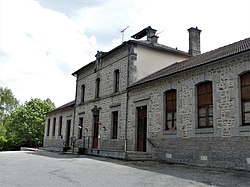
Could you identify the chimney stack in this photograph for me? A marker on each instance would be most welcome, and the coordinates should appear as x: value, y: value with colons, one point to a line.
x: 194, y: 41
x: 149, y: 32
x: 151, y: 37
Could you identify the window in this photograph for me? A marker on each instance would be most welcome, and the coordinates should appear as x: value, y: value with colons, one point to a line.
x: 116, y: 80
x: 97, y: 88
x: 205, y: 105
x: 48, y: 127
x: 170, y: 110
x: 54, y: 127
x: 114, y: 124
x: 245, y: 98
x: 60, y: 126
x: 82, y: 93
x: 80, y: 128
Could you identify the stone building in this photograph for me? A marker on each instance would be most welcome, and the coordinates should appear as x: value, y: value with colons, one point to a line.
x: 58, y: 127
x: 196, y: 111
x: 143, y: 100
x: 101, y: 91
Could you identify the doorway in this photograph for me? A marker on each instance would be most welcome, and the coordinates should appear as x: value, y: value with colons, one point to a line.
x: 96, y: 131
x: 142, y: 128
x: 67, y: 140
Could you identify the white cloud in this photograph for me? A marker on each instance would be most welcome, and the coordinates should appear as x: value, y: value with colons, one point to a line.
x: 43, y: 47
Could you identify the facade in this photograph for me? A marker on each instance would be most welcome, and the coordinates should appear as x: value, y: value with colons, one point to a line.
x: 58, y: 128
x: 196, y: 111
x: 146, y: 99
x: 101, y: 90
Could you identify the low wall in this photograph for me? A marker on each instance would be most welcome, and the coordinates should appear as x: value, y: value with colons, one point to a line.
x: 231, y: 152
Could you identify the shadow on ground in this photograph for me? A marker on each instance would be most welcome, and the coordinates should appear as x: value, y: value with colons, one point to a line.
x: 208, y: 176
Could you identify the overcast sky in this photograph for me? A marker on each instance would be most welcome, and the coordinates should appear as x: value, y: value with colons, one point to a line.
x: 43, y: 41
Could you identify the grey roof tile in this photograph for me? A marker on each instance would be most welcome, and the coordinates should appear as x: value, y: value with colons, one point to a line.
x: 202, y: 59
x: 67, y: 105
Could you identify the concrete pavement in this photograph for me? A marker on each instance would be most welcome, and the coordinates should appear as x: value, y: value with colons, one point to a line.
x: 27, y: 168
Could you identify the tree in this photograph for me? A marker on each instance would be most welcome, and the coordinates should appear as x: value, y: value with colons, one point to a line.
x: 3, y: 139
x: 25, y: 125
x: 8, y: 102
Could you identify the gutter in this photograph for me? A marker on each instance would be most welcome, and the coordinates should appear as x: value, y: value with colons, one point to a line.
x: 74, y: 117
x: 127, y: 96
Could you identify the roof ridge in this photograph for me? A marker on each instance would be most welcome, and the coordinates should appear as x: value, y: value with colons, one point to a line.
x: 63, y: 106
x: 158, y: 45
x: 204, y: 58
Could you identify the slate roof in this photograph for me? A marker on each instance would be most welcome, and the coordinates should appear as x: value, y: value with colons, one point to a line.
x: 160, y: 47
x: 202, y: 59
x: 67, y: 105
x: 140, y: 42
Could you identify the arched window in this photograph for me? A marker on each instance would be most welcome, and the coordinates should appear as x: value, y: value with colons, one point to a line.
x: 82, y: 93
x: 97, y: 93
x: 205, y: 104
x: 116, y: 80
x: 60, y: 126
x: 48, y: 127
x: 54, y: 127
x: 80, y: 128
x: 114, y: 124
x: 170, y: 110
x: 245, y: 98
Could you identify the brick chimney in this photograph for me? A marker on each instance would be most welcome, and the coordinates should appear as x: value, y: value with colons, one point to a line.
x: 151, y: 37
x: 194, y: 41
x: 149, y: 32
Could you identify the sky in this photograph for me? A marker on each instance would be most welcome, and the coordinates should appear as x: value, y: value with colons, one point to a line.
x: 42, y: 42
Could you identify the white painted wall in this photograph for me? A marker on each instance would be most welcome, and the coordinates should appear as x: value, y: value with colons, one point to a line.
x: 151, y: 60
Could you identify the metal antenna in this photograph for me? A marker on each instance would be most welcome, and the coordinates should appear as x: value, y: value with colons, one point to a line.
x: 122, y: 31
x: 159, y: 32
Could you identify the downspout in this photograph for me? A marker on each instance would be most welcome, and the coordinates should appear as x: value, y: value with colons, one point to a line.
x: 74, y: 117
x: 127, y: 97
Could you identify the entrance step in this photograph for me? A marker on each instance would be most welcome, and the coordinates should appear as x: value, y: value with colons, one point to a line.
x: 106, y: 153
x: 139, y: 156
x: 70, y: 151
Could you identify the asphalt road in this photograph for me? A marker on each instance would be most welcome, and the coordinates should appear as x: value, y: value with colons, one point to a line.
x: 27, y: 168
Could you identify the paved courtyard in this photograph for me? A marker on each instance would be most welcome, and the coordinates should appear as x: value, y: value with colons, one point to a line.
x: 27, y: 168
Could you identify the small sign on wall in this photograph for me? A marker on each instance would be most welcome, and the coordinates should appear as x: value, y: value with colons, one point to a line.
x: 203, y: 157
x: 169, y: 155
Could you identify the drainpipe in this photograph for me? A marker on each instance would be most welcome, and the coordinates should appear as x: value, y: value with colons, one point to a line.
x: 127, y: 96
x: 74, y: 117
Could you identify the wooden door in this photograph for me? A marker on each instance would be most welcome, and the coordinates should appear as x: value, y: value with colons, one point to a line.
x: 67, y: 140
x: 96, y: 131
x: 142, y: 128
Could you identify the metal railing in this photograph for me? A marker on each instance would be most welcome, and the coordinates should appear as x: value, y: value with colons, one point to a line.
x: 152, y: 143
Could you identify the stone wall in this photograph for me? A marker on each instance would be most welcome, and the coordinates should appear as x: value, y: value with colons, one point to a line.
x: 227, y: 152
x: 56, y: 142
x: 107, y: 102
x: 190, y: 144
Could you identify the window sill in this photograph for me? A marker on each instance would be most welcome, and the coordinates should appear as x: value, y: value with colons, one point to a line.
x: 245, y: 128
x: 97, y: 99
x: 209, y: 130
x: 170, y: 132
x: 116, y: 93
